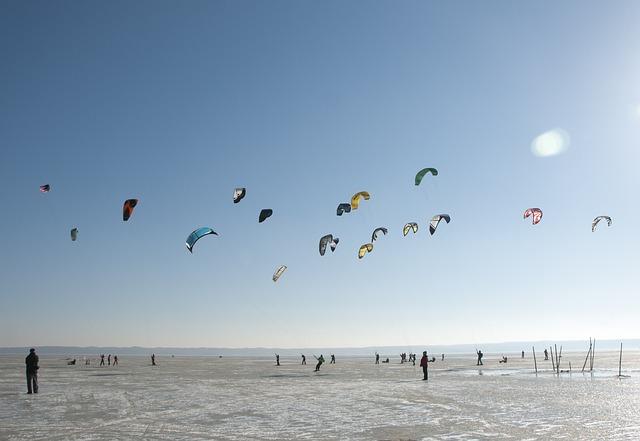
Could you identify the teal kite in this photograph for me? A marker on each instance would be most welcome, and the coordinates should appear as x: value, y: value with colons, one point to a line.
x: 423, y: 172
x: 196, y: 235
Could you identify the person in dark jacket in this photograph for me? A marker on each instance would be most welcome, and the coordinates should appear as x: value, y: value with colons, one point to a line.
x: 32, y: 371
x: 304, y: 359
x: 424, y: 364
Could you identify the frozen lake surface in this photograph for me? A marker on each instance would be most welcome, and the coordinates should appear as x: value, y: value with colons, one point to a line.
x: 192, y: 398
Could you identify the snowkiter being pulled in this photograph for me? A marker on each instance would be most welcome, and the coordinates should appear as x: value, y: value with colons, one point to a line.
x: 320, y: 361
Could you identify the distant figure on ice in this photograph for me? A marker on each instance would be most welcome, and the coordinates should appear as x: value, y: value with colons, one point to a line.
x: 32, y: 371
x: 480, y: 355
x: 304, y: 359
x: 71, y: 362
x: 413, y: 358
x: 115, y: 360
x: 153, y: 359
x: 386, y: 360
x: 277, y: 360
x: 320, y: 361
x: 442, y: 357
x: 102, y: 360
x: 522, y: 354
x: 109, y: 359
x: 504, y: 360
x: 424, y: 364
x: 333, y: 359
x: 377, y: 358
x: 546, y: 354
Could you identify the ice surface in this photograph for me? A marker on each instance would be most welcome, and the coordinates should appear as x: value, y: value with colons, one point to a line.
x: 197, y: 398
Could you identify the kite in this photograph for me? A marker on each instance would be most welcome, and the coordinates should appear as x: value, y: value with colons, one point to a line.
x: 127, y: 209
x: 281, y: 269
x: 264, y: 214
x: 364, y: 249
x: 595, y: 222
x: 74, y: 234
x: 343, y: 208
x: 374, y: 235
x: 45, y: 188
x: 238, y: 194
x: 328, y: 240
x: 355, y: 199
x: 196, y: 235
x: 435, y: 220
x: 535, y: 212
x: 423, y: 172
x: 408, y: 227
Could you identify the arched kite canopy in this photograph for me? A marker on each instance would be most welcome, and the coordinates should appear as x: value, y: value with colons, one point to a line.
x: 355, y: 199
x: 408, y: 227
x: 74, y: 234
x: 238, y: 194
x: 264, y: 214
x: 364, y: 249
x: 535, y: 212
x: 435, y: 220
x: 423, y: 172
x: 127, y: 209
x: 45, y: 188
x: 343, y: 208
x: 597, y: 220
x: 281, y: 269
x: 196, y: 235
x: 328, y: 240
x: 374, y: 235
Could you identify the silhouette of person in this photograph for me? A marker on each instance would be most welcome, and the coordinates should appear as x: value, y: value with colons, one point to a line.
x: 32, y: 371
x: 424, y: 364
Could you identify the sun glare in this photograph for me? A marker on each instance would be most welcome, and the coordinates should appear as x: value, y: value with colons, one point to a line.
x: 550, y: 143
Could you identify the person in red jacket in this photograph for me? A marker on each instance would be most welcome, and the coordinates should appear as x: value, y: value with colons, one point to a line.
x: 424, y: 364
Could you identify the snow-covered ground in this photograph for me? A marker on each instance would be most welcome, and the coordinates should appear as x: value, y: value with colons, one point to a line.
x: 191, y: 398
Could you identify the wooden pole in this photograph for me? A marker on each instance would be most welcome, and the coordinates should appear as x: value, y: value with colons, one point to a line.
x: 553, y: 363
x: 620, y: 362
x: 535, y: 363
x: 593, y: 354
x: 557, y: 367
x: 559, y: 357
x: 587, y: 357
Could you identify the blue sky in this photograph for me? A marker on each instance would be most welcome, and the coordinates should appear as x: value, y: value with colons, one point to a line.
x: 305, y: 103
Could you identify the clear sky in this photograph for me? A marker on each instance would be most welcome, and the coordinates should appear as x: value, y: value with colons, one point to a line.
x: 305, y: 103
